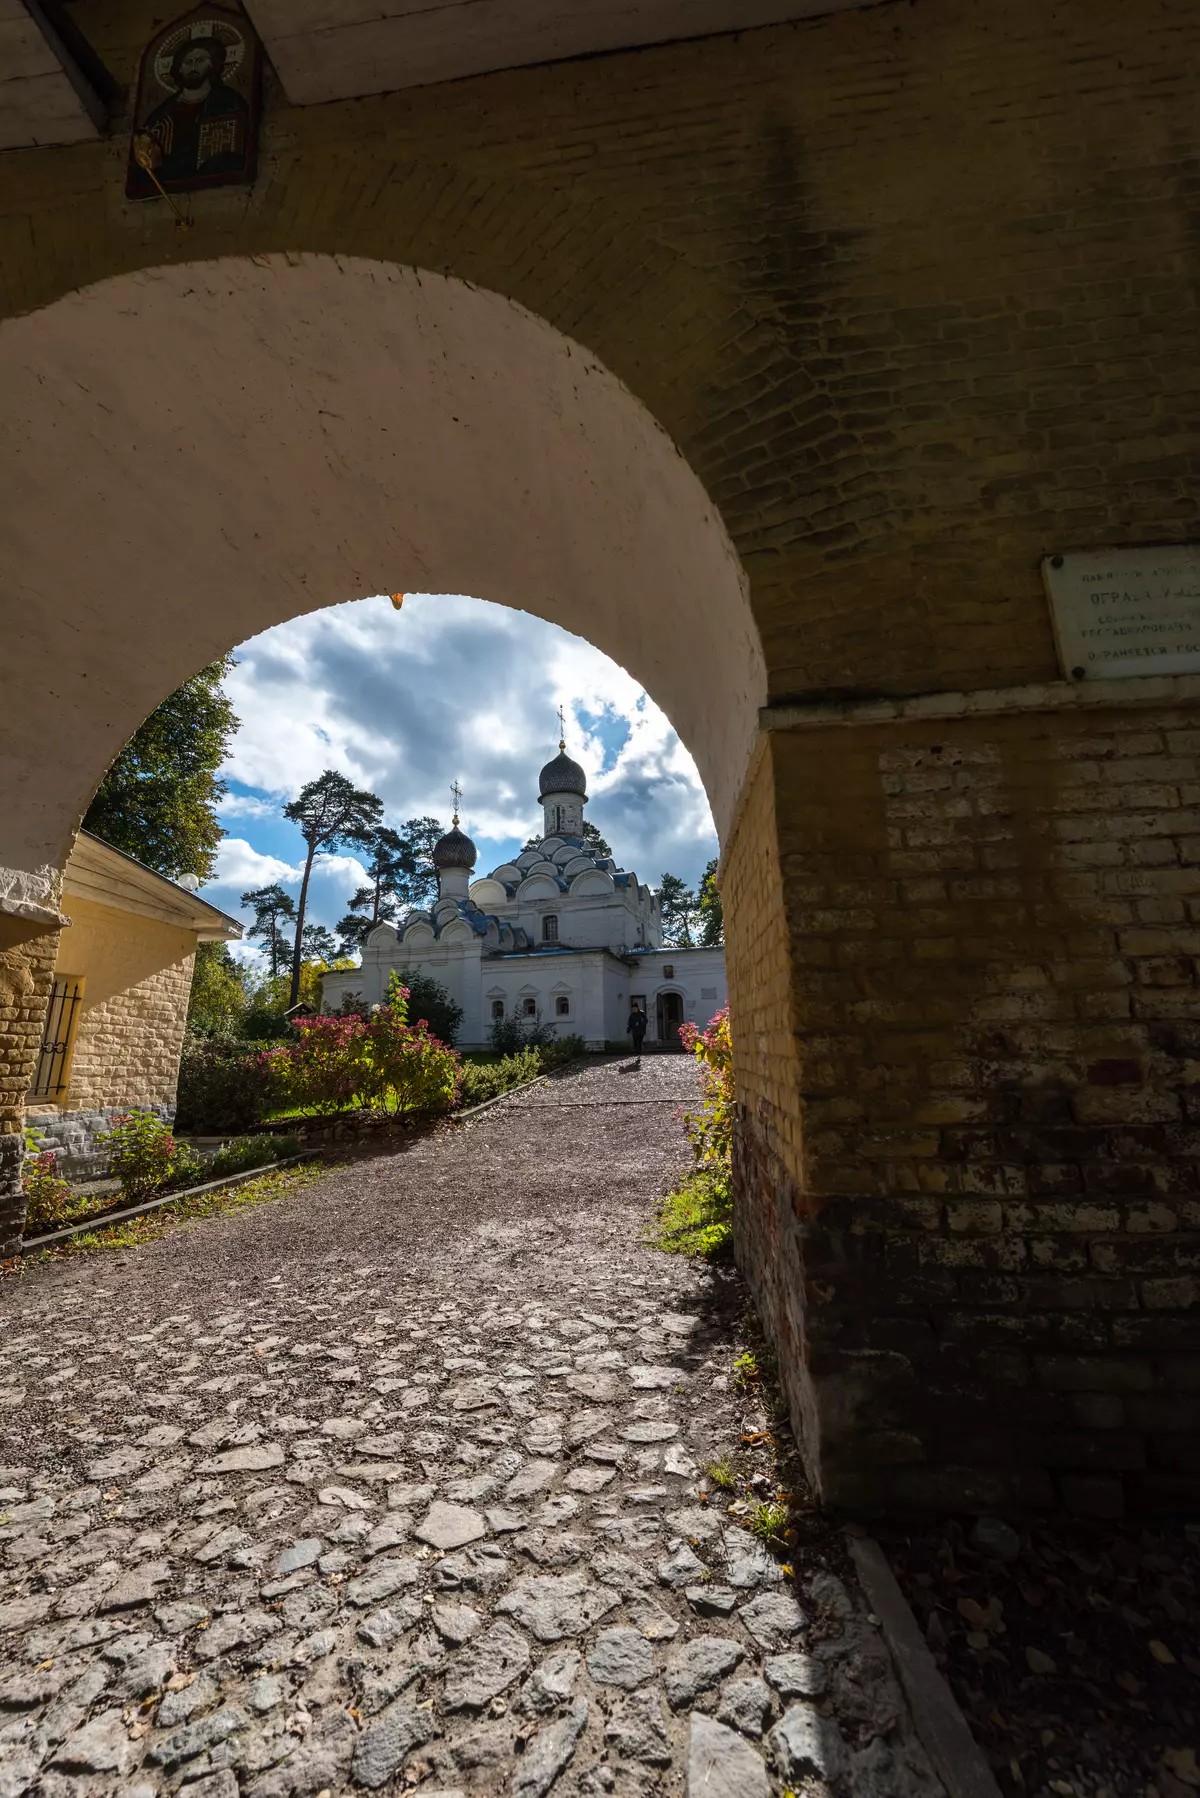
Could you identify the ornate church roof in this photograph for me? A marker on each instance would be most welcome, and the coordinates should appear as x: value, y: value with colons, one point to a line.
x: 562, y: 775
x: 454, y: 850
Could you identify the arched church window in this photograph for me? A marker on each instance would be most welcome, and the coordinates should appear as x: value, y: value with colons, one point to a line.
x: 562, y: 1006
x: 550, y: 929
x: 529, y: 1008
x: 497, y: 1008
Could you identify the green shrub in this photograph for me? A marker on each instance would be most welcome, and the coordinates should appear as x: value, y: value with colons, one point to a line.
x: 252, y: 1151
x: 48, y: 1203
x: 144, y: 1155
x: 486, y: 1080
x: 697, y: 1218
x: 224, y: 1086
x: 557, y: 1053
x: 429, y: 1000
x: 512, y: 1034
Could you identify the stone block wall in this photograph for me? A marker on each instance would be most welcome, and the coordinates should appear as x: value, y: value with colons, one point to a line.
x: 981, y: 1259
x: 76, y: 1137
x: 26, y: 972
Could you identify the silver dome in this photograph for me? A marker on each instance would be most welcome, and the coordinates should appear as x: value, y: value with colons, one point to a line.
x: 562, y: 775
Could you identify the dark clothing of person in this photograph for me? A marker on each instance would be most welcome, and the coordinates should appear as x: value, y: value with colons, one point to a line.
x: 636, y: 1026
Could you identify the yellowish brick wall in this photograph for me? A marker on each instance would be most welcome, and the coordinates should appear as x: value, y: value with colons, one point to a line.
x: 26, y: 972
x: 138, y: 976
x: 993, y: 937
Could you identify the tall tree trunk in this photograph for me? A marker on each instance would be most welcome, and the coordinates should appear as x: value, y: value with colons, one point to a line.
x: 301, y: 908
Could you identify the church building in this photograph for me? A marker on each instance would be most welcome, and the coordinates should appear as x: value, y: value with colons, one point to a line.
x: 559, y: 934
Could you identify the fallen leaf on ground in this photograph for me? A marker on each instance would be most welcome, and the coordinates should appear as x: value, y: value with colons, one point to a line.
x: 1161, y: 1652
x: 1037, y: 1662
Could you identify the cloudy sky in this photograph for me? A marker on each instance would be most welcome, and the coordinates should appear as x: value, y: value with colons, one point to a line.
x: 449, y: 687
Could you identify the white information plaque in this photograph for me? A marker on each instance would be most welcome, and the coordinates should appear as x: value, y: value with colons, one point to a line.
x: 1119, y: 612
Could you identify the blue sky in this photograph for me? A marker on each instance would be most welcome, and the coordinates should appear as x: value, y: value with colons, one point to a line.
x: 449, y: 687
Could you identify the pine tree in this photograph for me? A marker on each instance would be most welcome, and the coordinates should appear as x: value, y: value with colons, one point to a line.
x: 677, y: 904
x: 330, y: 811
x: 710, y: 913
x: 273, y: 908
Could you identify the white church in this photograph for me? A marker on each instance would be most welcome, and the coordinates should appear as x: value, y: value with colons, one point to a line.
x: 559, y: 934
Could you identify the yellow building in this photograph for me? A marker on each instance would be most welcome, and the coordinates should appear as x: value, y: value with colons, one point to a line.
x: 118, y: 1004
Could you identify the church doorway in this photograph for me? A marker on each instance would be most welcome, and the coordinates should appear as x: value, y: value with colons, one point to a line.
x: 670, y: 1017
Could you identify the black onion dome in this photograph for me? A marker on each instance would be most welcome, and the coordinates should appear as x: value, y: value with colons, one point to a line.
x: 562, y: 775
x: 454, y: 850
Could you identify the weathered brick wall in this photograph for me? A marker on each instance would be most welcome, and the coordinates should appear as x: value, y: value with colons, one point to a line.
x: 26, y: 972
x: 138, y: 977
x: 995, y: 1225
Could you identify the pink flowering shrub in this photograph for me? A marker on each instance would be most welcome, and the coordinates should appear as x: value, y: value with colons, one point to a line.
x: 711, y: 1128
x: 144, y: 1154
x: 324, y: 1068
x: 47, y: 1194
x: 379, y: 1060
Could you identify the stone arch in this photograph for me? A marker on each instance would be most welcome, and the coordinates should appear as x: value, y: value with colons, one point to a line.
x: 325, y: 419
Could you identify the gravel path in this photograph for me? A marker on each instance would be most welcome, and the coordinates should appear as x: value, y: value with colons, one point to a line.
x: 400, y: 1482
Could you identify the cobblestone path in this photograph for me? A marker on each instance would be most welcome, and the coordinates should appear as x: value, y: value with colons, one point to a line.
x: 400, y: 1483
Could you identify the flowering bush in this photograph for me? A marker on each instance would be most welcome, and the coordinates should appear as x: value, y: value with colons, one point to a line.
x: 47, y: 1194
x: 380, y: 1060
x: 144, y: 1155
x: 711, y: 1128
x: 325, y: 1067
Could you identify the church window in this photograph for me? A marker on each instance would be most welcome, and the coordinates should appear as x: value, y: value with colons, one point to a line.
x: 668, y: 972
x: 562, y: 1006
x: 497, y: 1008
x: 529, y: 1008
x: 550, y: 930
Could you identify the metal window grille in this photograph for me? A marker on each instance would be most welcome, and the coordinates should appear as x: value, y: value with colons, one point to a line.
x: 54, y: 1056
x: 550, y: 929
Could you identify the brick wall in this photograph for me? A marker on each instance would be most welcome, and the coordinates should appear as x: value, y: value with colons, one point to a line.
x: 993, y: 1232
x: 26, y: 971
x: 138, y: 975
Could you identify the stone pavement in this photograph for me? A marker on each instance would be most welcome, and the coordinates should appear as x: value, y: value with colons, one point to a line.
x: 400, y: 1482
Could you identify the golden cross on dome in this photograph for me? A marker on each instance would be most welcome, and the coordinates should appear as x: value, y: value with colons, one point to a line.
x: 562, y: 731
x: 457, y: 792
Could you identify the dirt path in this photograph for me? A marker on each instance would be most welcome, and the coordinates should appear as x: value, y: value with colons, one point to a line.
x: 402, y: 1482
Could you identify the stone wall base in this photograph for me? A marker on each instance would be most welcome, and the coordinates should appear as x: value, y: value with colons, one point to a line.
x: 75, y: 1136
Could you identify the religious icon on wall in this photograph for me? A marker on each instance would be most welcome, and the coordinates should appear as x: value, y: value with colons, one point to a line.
x: 195, y: 123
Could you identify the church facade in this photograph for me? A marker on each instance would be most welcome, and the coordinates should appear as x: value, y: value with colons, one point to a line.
x: 560, y: 934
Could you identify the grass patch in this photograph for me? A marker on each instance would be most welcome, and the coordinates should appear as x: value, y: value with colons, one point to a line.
x: 722, y: 1474
x: 697, y: 1218
x: 276, y: 1184
x: 768, y: 1521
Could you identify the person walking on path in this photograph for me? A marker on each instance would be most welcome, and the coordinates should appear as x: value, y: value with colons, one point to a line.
x: 636, y: 1026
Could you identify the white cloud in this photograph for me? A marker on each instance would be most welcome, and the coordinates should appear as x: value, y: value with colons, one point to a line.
x: 450, y: 687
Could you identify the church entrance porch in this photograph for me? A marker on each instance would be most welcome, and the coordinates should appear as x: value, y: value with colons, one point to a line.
x: 669, y: 1017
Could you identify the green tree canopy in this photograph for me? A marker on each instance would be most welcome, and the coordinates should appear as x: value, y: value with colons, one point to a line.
x: 158, y: 800
x: 219, y: 994
x: 400, y: 873
x: 273, y: 911
x: 677, y: 904
x: 710, y: 914
x: 330, y: 811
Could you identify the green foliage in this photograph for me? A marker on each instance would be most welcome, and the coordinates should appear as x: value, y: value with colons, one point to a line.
x: 144, y: 1155
x: 722, y: 1474
x: 710, y: 914
x: 158, y: 801
x: 224, y: 1085
x: 768, y: 1521
x: 273, y: 911
x: 252, y: 1151
x: 400, y: 873
x: 511, y: 1034
x: 428, y: 999
x: 486, y: 1080
x: 48, y: 1198
x: 697, y: 1217
x: 746, y: 1370
x: 710, y: 1130
x: 677, y: 905
x: 329, y: 811
x: 219, y: 997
